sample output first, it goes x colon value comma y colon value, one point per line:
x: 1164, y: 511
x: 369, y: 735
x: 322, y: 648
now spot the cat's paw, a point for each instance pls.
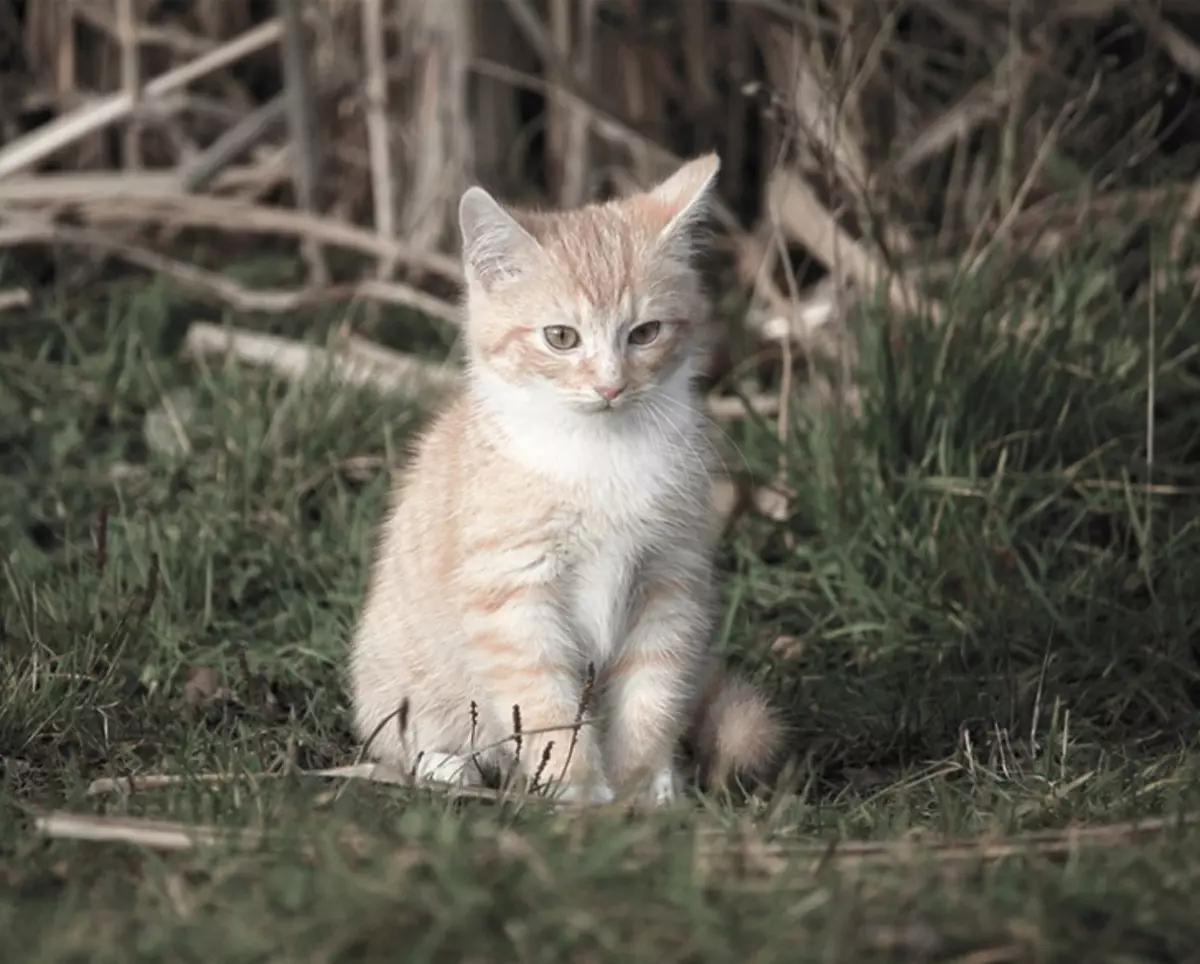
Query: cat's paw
x: 591, y: 793
x: 436, y: 767
x: 664, y: 787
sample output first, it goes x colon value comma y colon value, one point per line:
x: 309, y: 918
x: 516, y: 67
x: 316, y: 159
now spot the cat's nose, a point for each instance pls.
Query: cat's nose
x: 609, y: 392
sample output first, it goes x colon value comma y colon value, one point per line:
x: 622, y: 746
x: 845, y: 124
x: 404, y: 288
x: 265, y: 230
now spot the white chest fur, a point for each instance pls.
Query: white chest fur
x: 632, y: 481
x: 598, y: 593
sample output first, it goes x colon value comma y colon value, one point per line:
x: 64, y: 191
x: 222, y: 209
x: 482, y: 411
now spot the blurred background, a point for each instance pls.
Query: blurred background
x: 867, y: 146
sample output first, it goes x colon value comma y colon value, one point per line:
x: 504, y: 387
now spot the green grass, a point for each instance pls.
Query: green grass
x: 981, y: 614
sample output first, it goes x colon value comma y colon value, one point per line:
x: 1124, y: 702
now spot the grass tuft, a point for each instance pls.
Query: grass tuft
x: 980, y: 614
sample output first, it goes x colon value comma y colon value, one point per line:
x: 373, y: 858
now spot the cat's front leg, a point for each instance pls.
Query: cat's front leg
x: 528, y: 660
x: 649, y: 686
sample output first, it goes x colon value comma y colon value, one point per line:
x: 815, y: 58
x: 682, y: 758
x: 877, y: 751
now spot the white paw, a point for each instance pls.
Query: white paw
x: 592, y: 793
x: 664, y: 787
x: 444, y: 768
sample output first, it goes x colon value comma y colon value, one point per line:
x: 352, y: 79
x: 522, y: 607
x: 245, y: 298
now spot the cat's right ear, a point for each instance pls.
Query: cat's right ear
x: 495, y: 247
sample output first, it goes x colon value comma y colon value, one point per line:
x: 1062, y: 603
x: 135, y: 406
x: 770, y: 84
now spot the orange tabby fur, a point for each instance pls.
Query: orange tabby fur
x: 558, y: 513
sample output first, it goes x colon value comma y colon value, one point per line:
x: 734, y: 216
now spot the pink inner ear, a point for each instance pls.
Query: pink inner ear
x: 654, y: 213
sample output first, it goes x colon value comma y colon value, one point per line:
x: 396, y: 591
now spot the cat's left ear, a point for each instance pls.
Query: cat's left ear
x: 682, y: 201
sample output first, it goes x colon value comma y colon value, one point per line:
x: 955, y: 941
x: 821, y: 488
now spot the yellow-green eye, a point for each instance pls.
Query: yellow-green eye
x: 645, y: 333
x: 560, y: 337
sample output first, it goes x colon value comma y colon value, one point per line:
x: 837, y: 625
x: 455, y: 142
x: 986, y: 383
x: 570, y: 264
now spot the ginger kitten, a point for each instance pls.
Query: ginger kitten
x: 558, y: 514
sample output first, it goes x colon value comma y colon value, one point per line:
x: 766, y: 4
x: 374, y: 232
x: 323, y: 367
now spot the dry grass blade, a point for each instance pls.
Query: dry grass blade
x: 365, y: 771
x: 441, y: 144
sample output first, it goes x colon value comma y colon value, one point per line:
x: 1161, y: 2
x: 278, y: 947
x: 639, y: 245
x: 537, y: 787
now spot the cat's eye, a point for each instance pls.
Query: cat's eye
x: 645, y: 333
x: 560, y: 337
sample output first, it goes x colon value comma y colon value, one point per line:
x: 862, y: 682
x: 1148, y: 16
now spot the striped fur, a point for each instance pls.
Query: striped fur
x: 540, y: 528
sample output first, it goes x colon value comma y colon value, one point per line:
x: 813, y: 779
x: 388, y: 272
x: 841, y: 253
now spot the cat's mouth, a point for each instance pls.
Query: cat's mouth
x: 603, y: 406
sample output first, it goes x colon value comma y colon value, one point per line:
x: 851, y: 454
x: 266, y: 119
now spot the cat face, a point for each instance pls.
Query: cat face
x: 592, y: 309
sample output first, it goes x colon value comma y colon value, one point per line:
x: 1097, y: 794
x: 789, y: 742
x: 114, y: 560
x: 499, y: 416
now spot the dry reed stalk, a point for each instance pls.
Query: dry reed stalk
x: 497, y: 124
x: 877, y: 120
x: 378, y: 138
x: 440, y: 159
x: 49, y: 190
x: 130, y: 81
x: 302, y: 124
x: 569, y: 129
x: 126, y: 204
x: 217, y: 286
x: 86, y: 119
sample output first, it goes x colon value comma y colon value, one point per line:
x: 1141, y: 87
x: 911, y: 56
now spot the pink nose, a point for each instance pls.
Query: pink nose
x: 609, y: 392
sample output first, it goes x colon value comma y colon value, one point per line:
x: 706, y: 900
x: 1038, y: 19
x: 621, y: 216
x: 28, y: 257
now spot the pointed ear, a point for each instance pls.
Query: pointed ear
x: 495, y: 247
x: 682, y: 200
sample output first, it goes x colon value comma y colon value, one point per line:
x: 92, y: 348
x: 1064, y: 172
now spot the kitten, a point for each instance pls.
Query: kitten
x: 558, y: 513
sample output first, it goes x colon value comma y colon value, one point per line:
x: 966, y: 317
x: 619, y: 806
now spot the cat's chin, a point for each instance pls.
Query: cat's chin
x: 601, y: 408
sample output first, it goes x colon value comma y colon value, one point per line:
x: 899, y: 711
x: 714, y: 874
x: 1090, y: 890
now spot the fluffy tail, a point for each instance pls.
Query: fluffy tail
x: 736, y: 730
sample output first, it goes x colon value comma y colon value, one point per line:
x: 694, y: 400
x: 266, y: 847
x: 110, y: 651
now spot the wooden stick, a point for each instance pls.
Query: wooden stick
x: 357, y: 363
x: 14, y: 298
x: 153, y: 834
